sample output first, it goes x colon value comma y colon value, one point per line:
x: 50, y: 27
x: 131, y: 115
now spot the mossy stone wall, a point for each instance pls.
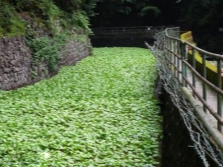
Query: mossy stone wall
x: 15, y: 61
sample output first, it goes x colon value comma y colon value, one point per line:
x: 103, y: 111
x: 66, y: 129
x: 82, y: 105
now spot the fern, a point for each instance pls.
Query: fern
x: 47, y: 49
x: 10, y: 22
x: 80, y: 20
x: 51, y: 15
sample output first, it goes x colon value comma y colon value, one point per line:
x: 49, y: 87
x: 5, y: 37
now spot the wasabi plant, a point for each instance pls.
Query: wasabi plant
x: 98, y: 113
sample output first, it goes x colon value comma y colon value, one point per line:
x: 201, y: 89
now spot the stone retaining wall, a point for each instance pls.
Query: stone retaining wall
x: 15, y: 61
x: 75, y: 51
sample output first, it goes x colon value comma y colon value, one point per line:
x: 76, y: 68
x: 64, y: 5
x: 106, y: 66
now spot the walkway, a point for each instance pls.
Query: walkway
x: 211, y: 98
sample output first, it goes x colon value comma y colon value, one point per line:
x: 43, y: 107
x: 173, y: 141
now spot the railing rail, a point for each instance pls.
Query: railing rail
x: 185, y: 58
x: 192, y: 82
x: 139, y: 31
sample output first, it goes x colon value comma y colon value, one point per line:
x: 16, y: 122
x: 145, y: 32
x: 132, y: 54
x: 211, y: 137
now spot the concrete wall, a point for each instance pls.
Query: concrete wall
x: 15, y: 61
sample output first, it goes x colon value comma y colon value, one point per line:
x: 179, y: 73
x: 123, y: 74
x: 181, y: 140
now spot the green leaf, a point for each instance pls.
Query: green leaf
x: 94, y: 113
x: 146, y: 9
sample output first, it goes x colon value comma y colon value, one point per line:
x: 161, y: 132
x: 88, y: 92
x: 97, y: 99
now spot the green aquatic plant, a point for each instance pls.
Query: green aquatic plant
x: 100, y: 112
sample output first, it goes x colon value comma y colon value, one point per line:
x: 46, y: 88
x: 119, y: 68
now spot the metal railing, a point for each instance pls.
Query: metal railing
x: 189, y: 64
x: 119, y: 32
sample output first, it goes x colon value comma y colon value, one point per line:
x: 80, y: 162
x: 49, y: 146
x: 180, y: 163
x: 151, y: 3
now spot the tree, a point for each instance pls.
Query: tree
x: 122, y: 12
x: 204, y: 18
x: 202, y: 13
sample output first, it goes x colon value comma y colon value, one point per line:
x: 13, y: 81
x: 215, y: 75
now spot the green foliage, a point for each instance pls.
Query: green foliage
x: 146, y: 9
x: 43, y: 8
x: 69, y: 6
x: 193, y: 13
x: 15, y: 15
x: 46, y: 10
x: 122, y: 11
x: 90, y: 6
x: 98, y: 113
x: 10, y: 22
x: 79, y: 19
x: 47, y: 49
